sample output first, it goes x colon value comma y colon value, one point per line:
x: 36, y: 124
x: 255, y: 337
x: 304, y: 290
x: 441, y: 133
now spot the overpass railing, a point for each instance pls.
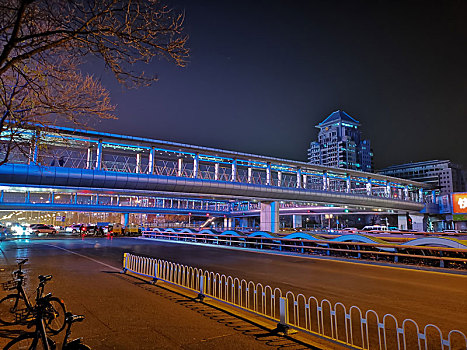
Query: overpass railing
x: 333, y: 321
x: 384, y: 252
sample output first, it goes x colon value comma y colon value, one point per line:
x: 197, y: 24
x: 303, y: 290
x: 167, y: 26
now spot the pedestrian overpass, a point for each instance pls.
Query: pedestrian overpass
x: 64, y: 160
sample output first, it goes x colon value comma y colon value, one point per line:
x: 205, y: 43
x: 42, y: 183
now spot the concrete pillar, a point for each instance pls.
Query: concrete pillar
x: 268, y: 174
x: 196, y: 166
x: 417, y: 222
x: 402, y: 222
x: 348, y: 184
x: 227, y: 223
x: 368, y: 187
x: 89, y: 158
x: 138, y: 163
x: 299, y: 178
x: 124, y: 219
x: 250, y: 175
x: 99, y: 156
x: 279, y: 178
x: 216, y: 171
x: 233, y: 174
x: 269, y: 217
x: 296, y: 221
x: 180, y: 167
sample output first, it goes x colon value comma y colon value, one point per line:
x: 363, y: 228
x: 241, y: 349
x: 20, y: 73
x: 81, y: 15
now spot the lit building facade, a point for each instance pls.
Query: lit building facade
x: 340, y: 144
x: 441, y: 174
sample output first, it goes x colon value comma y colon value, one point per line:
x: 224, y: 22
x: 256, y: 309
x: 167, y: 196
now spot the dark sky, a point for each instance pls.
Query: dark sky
x: 262, y: 74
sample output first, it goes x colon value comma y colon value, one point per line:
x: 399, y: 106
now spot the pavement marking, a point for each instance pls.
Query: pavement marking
x: 286, y: 254
x: 84, y: 256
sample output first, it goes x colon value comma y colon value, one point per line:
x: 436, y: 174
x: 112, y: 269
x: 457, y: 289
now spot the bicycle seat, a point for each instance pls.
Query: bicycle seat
x: 73, y: 318
x: 45, y: 278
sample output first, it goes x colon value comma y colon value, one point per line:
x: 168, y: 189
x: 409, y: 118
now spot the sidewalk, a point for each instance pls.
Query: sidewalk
x: 124, y: 312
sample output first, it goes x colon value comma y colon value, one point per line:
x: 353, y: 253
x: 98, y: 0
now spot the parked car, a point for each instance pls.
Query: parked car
x: 4, y: 232
x: 90, y: 229
x: 132, y: 230
x: 348, y: 230
x: 75, y: 228
x: 451, y: 232
x: 41, y: 229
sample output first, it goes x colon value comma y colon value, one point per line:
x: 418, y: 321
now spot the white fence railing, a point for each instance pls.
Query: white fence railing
x: 350, y: 326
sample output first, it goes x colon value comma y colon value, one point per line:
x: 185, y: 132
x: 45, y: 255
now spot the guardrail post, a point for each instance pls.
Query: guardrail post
x: 283, y: 326
x: 202, y: 288
x: 156, y: 275
x: 125, y: 262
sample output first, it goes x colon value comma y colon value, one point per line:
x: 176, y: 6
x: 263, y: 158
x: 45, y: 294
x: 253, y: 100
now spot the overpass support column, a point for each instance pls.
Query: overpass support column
x: 196, y: 165
x: 124, y: 219
x: 279, y: 178
x: 227, y: 223
x: 299, y: 178
x: 417, y: 222
x: 402, y: 222
x: 151, y: 161
x: 268, y: 174
x: 348, y: 184
x: 216, y: 171
x: 296, y: 221
x: 368, y: 187
x: 99, y: 155
x: 233, y: 174
x: 269, y: 217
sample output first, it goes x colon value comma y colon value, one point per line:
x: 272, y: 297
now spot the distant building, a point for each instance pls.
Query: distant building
x: 442, y: 174
x: 340, y: 144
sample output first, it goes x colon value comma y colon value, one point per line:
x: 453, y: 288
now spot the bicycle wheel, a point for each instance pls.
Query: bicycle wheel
x: 12, y: 309
x: 55, y: 315
x: 28, y: 341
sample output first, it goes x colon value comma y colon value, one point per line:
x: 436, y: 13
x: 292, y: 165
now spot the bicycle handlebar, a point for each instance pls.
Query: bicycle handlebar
x: 22, y: 262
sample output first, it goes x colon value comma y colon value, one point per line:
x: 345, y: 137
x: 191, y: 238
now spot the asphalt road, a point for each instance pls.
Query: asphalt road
x: 85, y: 271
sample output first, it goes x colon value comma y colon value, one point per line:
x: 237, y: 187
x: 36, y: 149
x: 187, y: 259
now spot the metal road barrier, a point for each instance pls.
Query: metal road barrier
x: 348, y: 326
x: 356, y: 247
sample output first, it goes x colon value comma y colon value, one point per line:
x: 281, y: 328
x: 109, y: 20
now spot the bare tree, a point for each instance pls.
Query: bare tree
x: 43, y: 42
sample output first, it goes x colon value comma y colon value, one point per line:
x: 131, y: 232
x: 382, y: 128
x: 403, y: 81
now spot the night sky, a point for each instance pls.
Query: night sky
x: 262, y: 74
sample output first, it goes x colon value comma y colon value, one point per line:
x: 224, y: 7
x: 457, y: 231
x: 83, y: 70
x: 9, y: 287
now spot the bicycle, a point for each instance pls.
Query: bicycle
x: 38, y: 339
x: 16, y: 308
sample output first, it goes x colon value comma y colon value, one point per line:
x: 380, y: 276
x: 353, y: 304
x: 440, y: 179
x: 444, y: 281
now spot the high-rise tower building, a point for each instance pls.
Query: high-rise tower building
x: 340, y: 144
